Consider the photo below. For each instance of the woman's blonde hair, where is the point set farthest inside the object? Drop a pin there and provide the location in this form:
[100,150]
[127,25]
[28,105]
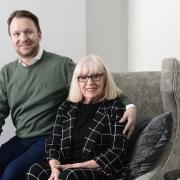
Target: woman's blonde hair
[88,65]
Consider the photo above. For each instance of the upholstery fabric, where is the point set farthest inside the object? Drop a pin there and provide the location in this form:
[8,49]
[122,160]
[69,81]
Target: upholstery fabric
[172,175]
[151,144]
[156,92]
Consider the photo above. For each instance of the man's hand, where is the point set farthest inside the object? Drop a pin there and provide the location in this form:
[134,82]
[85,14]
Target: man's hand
[130,117]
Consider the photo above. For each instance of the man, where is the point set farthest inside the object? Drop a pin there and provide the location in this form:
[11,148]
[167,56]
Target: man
[31,88]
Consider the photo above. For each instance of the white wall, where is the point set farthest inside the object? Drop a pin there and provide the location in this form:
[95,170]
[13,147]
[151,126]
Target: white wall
[133,35]
[63,26]
[106,31]
[62,23]
[153,33]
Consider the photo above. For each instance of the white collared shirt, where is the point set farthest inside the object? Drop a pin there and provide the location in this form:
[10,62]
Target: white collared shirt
[34,60]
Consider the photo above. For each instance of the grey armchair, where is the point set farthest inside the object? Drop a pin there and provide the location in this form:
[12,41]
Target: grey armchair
[155,93]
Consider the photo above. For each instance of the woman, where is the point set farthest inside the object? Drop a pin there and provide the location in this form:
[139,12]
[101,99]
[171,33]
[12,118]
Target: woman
[87,140]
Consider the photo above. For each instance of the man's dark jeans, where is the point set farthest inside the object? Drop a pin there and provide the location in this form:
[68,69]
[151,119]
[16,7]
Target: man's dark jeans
[18,154]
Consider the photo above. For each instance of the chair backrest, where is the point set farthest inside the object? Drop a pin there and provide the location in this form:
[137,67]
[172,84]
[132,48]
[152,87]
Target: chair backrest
[155,92]
[143,88]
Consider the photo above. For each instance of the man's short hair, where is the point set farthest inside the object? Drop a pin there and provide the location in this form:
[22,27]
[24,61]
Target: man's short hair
[26,14]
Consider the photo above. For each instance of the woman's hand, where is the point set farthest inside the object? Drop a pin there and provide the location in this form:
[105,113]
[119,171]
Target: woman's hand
[55,171]
[54,174]
[87,164]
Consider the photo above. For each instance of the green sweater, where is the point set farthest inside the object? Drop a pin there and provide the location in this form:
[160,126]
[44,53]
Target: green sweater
[33,93]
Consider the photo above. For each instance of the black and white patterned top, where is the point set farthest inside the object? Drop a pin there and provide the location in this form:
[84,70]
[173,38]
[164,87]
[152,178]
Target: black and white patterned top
[104,142]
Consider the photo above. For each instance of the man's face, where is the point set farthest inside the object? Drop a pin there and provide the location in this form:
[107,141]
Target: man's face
[25,37]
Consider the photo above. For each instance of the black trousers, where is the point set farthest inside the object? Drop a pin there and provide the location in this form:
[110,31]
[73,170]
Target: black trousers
[42,171]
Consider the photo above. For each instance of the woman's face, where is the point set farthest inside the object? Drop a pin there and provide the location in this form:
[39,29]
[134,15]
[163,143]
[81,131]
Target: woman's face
[91,86]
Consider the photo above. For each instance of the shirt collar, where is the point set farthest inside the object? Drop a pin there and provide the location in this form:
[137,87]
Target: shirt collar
[35,59]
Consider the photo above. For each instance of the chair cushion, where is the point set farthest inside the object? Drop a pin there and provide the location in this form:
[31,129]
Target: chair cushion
[150,144]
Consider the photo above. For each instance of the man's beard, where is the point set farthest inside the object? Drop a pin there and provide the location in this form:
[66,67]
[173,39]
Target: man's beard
[29,54]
